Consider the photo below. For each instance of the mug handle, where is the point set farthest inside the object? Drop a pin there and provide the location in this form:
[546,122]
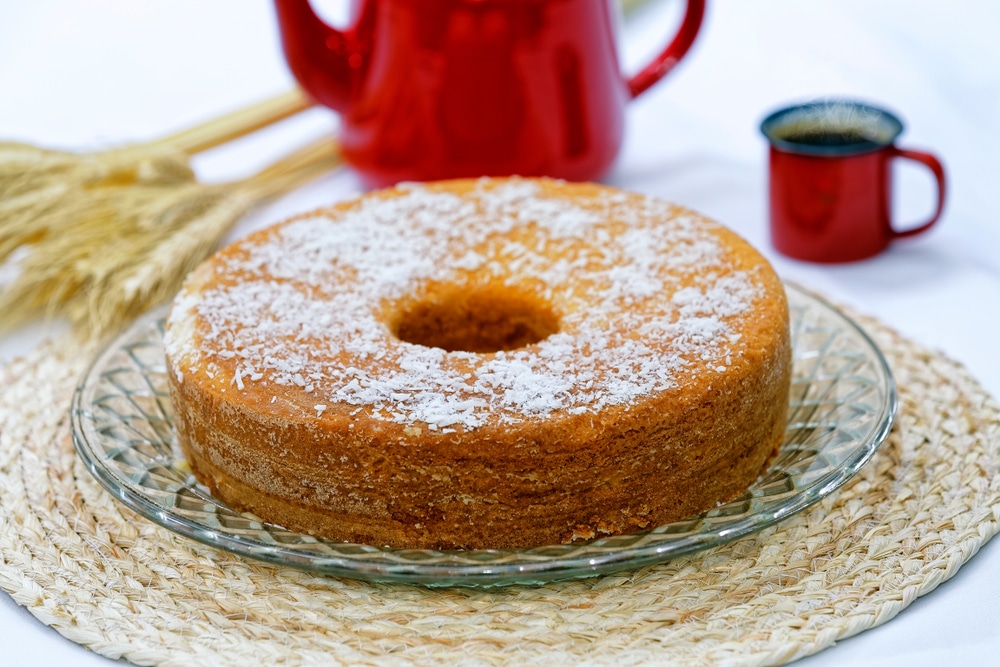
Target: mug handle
[937,169]
[671,55]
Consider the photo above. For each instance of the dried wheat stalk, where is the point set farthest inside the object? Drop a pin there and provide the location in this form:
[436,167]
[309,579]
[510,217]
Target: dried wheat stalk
[107,253]
[101,237]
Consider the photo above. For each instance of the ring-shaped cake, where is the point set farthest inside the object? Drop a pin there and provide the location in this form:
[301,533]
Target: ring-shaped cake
[492,363]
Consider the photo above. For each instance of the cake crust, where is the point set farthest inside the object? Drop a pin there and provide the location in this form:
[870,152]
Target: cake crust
[662,353]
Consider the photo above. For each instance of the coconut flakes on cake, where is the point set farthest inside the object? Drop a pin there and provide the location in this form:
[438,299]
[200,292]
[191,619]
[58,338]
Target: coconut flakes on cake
[283,320]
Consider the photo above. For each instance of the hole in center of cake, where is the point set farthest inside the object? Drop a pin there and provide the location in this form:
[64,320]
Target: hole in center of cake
[482,319]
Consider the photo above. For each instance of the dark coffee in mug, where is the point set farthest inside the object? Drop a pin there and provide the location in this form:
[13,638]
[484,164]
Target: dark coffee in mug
[833,127]
[820,136]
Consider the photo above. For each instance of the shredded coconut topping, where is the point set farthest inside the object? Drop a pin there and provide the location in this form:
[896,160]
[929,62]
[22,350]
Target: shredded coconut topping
[643,290]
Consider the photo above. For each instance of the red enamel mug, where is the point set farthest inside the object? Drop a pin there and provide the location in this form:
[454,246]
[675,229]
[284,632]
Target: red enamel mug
[831,180]
[433,89]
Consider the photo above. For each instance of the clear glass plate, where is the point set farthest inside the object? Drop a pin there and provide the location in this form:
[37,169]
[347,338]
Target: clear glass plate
[842,405]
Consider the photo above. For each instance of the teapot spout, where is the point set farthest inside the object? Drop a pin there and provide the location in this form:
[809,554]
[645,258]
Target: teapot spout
[326,62]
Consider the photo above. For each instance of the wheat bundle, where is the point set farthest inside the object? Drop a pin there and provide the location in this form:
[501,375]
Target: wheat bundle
[101,237]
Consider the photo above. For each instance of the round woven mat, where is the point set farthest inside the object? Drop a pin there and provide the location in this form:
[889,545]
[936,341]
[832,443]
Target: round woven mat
[124,587]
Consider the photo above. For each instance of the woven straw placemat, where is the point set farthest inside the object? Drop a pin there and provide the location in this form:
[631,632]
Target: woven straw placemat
[124,587]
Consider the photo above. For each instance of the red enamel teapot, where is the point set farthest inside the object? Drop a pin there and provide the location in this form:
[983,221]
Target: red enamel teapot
[434,89]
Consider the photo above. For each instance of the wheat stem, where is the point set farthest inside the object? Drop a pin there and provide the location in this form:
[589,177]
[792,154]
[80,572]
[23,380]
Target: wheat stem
[236,124]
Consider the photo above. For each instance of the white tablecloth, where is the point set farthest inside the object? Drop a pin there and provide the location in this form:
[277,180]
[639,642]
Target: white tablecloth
[88,75]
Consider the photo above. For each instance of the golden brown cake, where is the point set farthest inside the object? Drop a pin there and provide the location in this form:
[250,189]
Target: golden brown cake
[481,364]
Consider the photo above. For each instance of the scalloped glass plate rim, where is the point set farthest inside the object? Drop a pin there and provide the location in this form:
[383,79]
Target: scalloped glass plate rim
[482,567]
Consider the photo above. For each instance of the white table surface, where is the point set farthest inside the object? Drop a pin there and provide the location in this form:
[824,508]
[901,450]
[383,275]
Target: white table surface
[89,75]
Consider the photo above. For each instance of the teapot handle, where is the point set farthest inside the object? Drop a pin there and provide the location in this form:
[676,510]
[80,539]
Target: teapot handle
[671,55]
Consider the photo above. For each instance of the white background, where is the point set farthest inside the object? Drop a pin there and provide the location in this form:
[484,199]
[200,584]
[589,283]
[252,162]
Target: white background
[90,75]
